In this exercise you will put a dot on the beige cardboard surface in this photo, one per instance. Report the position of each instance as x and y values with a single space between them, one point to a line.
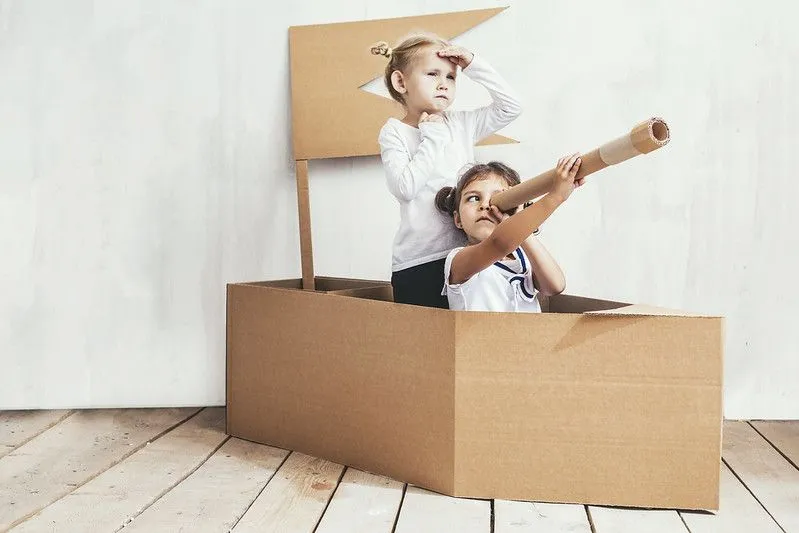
565 406
570 408
360 382
331 115
322 283
569 303
304 216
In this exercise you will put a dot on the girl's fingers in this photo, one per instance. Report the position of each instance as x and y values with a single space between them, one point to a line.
572 160
575 168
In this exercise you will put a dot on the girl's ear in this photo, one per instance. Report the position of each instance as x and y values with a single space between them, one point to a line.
398 82
457 218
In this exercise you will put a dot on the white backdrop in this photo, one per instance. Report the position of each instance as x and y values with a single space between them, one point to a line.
145 161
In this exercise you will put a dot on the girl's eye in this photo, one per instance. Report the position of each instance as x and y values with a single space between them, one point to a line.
470 198
431 73
451 77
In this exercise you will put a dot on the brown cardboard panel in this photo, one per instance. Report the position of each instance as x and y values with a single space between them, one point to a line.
364 383
321 283
382 292
603 409
339 284
331 115
278 283
569 303
572 407
304 216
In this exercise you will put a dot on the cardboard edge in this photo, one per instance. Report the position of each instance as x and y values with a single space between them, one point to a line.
267 283
491 11
649 310
228 358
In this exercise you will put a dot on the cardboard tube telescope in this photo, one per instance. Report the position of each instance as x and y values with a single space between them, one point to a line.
642 139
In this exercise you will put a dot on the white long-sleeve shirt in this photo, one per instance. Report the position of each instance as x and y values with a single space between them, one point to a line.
420 161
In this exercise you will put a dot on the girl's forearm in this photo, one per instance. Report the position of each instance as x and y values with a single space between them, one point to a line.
548 274
513 231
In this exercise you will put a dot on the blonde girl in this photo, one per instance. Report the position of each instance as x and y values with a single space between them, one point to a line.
426 150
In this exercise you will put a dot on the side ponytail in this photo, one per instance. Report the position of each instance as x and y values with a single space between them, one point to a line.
445 200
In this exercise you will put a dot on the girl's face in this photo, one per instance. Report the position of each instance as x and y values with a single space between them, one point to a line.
474 215
430 84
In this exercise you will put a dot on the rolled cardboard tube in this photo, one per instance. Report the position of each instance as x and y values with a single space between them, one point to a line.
645 137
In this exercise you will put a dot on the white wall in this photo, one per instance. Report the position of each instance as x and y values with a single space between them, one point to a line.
145 161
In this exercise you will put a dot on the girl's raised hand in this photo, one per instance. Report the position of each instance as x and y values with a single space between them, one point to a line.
496 214
564 182
430 117
458 55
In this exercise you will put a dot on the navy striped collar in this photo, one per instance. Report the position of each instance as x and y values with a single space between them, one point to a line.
506 268
518 277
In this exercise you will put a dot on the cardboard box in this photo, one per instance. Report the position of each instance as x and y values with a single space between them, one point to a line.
590 402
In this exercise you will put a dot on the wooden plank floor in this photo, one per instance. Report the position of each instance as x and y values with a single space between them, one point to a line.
169 470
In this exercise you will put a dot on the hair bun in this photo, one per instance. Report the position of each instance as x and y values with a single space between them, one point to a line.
381 49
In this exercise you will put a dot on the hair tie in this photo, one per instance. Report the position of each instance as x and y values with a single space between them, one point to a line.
381 49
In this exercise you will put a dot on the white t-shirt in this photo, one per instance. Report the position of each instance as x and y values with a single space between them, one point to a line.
418 162
505 286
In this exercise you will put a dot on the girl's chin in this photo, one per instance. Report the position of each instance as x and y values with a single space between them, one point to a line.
478 237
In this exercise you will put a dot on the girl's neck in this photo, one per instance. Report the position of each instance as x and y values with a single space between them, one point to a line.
411 117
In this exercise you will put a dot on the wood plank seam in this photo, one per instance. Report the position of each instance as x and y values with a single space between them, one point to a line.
741 481
688 529
112 465
590 519
399 508
234 524
175 484
773 445
66 415
330 499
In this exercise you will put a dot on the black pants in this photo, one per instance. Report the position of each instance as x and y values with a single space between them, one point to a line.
420 285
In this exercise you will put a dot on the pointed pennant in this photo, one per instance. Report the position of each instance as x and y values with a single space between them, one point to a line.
331 115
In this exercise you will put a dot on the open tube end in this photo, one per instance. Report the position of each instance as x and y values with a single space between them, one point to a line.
659 131
650 135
